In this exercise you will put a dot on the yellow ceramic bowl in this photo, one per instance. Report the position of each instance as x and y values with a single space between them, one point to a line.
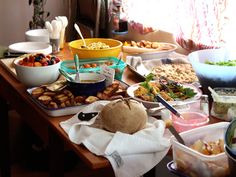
83 53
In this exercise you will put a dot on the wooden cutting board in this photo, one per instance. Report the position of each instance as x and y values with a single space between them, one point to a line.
8 64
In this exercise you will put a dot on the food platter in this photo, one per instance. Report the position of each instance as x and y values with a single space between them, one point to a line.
55 112
175 68
149 104
163 48
62 111
162 51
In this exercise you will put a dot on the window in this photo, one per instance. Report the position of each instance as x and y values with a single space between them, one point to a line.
196 24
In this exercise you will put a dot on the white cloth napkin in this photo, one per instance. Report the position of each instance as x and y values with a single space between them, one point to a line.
130 155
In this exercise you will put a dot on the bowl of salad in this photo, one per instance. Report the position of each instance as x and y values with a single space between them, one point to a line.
171 91
214 67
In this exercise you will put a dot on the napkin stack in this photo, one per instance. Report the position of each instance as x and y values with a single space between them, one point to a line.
130 155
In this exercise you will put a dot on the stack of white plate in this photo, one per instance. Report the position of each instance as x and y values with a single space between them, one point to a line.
31 47
37 42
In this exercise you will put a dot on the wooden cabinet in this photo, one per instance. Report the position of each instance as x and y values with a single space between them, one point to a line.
92 17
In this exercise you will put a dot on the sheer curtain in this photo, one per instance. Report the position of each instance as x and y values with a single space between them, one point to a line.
196 24
201 24
149 15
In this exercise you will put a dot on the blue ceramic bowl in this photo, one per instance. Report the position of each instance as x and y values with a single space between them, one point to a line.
229 133
90 84
213 75
231 161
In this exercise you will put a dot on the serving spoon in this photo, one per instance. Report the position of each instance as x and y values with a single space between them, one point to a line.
214 94
64 23
76 60
66 75
79 32
169 123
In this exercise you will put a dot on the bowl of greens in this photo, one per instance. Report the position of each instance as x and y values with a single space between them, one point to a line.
214 67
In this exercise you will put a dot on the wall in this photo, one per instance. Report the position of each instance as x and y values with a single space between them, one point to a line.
14 18
16 14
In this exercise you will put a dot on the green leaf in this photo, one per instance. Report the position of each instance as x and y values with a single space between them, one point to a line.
222 63
146 86
172 95
149 77
189 92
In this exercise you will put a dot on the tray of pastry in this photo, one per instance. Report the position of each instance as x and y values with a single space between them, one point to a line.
62 102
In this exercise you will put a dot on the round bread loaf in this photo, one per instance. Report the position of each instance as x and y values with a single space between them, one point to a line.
127 116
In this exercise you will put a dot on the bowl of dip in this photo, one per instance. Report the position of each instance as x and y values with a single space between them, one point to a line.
192 119
89 84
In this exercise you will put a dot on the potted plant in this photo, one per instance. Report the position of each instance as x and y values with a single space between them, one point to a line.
39 15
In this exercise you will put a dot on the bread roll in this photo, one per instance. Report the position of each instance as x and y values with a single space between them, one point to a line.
127 116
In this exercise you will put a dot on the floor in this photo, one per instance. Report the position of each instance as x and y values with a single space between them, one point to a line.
30 158
18 170
80 170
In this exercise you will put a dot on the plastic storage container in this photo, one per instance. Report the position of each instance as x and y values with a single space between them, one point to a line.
224 106
194 163
93 65
192 119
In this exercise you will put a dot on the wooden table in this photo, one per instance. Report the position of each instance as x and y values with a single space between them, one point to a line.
13 93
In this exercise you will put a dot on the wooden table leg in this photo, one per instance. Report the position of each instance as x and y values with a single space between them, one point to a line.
5 157
56 150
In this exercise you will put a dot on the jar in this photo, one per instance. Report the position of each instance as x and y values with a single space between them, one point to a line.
119 22
204 104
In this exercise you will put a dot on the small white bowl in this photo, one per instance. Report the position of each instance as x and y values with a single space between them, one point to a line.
36 76
37 35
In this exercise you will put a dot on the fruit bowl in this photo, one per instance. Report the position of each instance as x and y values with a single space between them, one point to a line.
37 69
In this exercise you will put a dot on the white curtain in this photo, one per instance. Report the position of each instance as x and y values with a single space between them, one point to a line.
196 24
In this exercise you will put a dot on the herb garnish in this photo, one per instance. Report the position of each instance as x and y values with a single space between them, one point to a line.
146 84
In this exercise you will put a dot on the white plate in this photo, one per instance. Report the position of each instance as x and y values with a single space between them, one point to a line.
31 47
149 104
